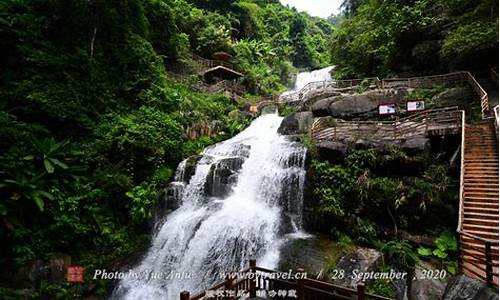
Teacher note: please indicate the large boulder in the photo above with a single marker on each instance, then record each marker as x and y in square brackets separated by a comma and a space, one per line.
[352, 105]
[305, 253]
[462, 287]
[453, 96]
[332, 151]
[296, 123]
[222, 176]
[423, 288]
[363, 260]
[322, 107]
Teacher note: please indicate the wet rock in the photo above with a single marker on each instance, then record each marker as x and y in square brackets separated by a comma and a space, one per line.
[302, 253]
[269, 109]
[222, 176]
[186, 168]
[362, 260]
[462, 287]
[296, 123]
[426, 288]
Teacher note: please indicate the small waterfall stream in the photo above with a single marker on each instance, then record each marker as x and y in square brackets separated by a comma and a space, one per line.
[243, 199]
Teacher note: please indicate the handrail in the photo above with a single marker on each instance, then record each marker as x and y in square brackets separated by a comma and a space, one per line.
[320, 123]
[210, 63]
[263, 279]
[462, 175]
[496, 111]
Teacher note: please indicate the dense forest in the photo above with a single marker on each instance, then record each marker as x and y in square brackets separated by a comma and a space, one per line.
[92, 125]
[379, 38]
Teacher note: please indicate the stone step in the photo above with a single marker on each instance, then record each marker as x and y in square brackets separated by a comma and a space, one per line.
[482, 199]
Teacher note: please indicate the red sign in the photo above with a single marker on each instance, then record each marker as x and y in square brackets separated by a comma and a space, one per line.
[75, 274]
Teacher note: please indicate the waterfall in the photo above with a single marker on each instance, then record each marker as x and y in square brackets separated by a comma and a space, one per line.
[307, 77]
[243, 199]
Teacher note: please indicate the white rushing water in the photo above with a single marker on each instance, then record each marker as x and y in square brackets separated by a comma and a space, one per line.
[207, 235]
[307, 77]
[243, 200]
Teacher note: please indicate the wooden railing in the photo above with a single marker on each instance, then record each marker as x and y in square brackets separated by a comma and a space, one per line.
[210, 63]
[450, 118]
[482, 258]
[412, 82]
[462, 175]
[496, 111]
[264, 280]
[323, 85]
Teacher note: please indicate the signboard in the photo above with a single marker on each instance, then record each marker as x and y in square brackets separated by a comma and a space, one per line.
[415, 105]
[388, 109]
[75, 274]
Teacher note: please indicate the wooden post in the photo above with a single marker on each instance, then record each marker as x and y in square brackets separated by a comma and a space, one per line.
[185, 295]
[460, 270]
[361, 291]
[300, 286]
[489, 265]
[228, 288]
[253, 286]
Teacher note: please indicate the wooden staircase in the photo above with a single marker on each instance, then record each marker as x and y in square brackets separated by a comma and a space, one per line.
[479, 227]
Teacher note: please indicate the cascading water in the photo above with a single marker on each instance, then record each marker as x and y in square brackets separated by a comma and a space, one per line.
[243, 199]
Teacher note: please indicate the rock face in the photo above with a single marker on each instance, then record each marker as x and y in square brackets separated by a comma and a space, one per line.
[296, 123]
[464, 288]
[362, 260]
[332, 151]
[453, 96]
[222, 176]
[52, 270]
[426, 288]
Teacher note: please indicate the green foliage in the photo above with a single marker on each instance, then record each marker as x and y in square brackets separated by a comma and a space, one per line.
[383, 287]
[357, 194]
[446, 249]
[400, 254]
[379, 37]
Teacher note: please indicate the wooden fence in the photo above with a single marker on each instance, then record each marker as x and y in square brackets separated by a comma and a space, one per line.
[434, 121]
[210, 63]
[482, 258]
[262, 279]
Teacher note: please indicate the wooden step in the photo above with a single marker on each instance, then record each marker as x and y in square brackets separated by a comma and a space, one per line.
[486, 222]
[482, 199]
[478, 244]
[493, 210]
[481, 215]
[484, 235]
[482, 228]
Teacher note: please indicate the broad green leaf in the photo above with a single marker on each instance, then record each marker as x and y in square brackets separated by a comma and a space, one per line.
[48, 166]
[424, 251]
[59, 163]
[38, 202]
[439, 253]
